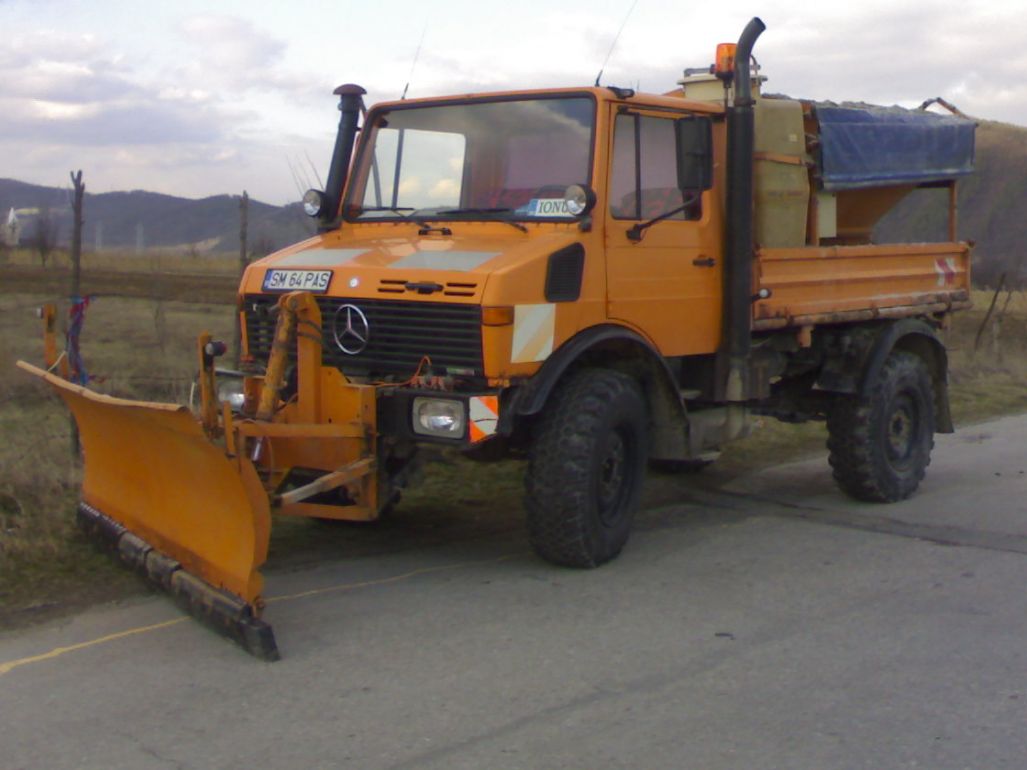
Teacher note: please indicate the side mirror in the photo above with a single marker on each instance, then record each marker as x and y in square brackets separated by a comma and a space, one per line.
[694, 139]
[579, 199]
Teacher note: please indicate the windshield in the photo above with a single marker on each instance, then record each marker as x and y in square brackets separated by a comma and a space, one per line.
[510, 159]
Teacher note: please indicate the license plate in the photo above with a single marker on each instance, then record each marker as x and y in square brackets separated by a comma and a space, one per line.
[297, 280]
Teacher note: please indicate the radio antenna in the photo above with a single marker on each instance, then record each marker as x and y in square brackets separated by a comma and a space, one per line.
[615, 39]
[417, 55]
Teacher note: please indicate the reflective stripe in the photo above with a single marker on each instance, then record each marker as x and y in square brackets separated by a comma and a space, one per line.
[445, 260]
[484, 417]
[945, 267]
[534, 328]
[319, 258]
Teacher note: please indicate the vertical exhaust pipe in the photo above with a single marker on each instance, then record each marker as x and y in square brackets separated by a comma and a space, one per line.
[350, 101]
[737, 341]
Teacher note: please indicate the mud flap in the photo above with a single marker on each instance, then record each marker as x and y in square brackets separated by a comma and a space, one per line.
[175, 507]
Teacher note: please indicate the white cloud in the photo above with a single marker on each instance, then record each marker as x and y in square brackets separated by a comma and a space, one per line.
[175, 98]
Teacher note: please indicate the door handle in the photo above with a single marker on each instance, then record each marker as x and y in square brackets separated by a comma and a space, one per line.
[704, 261]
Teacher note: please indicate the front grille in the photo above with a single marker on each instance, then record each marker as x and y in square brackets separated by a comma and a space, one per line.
[401, 333]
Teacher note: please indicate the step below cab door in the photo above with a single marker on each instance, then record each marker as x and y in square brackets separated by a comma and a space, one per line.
[664, 278]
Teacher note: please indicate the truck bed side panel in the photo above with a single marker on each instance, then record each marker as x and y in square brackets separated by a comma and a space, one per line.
[847, 283]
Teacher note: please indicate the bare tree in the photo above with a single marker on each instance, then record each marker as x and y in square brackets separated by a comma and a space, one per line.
[44, 234]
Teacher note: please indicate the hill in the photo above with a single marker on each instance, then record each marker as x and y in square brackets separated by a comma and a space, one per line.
[992, 212]
[124, 219]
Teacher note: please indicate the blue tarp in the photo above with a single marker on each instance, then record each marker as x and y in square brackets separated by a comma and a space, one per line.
[881, 146]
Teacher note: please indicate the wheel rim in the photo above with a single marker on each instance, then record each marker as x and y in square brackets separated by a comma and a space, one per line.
[902, 429]
[613, 478]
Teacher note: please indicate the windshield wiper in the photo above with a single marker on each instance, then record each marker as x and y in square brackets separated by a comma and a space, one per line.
[407, 214]
[480, 211]
[394, 209]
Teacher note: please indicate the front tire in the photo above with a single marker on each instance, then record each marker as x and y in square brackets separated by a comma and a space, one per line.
[880, 445]
[585, 469]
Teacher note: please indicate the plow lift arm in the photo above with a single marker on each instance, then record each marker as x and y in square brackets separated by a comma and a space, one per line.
[186, 501]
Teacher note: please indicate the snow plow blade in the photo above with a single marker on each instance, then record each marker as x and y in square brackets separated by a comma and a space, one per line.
[175, 507]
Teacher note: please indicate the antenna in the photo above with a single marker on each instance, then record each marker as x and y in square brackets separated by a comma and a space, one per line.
[295, 179]
[317, 176]
[615, 39]
[417, 55]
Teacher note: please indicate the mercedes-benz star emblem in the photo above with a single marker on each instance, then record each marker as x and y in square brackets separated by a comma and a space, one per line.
[352, 331]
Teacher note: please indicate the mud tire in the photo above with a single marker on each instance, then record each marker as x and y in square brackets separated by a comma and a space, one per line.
[585, 468]
[880, 445]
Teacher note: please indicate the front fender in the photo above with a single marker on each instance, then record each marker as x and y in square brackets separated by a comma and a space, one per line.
[615, 347]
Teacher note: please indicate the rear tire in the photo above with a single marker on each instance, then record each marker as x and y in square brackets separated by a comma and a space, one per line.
[880, 445]
[585, 469]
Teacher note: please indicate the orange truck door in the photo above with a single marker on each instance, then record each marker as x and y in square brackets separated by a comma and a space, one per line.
[667, 283]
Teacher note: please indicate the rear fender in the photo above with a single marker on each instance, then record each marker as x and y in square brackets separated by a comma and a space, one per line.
[914, 336]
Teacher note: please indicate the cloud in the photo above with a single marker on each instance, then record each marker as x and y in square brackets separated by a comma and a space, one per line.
[231, 43]
[237, 55]
[129, 122]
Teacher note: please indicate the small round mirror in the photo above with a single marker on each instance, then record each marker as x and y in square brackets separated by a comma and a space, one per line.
[579, 199]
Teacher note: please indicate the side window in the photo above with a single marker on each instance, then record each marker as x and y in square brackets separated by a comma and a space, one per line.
[643, 182]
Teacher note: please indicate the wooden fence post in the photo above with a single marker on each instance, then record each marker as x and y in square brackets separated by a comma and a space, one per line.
[76, 269]
[244, 208]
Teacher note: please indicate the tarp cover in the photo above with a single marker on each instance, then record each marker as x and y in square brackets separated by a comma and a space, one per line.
[883, 146]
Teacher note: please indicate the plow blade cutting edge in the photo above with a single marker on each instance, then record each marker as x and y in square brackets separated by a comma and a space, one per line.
[175, 507]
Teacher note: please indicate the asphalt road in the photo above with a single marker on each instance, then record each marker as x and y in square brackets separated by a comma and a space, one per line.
[767, 623]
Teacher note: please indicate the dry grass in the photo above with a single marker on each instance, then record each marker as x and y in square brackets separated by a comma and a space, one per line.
[183, 261]
[42, 559]
[43, 562]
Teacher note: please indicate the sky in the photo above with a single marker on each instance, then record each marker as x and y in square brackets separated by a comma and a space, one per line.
[175, 97]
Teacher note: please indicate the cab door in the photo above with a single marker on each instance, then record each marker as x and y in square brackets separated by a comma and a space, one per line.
[663, 278]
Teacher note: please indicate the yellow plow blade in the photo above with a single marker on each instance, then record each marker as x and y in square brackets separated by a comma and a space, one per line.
[175, 506]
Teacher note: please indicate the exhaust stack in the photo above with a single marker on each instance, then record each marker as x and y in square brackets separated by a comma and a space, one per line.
[350, 102]
[739, 248]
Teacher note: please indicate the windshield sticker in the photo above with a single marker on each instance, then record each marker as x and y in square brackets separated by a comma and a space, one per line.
[445, 260]
[319, 258]
[548, 207]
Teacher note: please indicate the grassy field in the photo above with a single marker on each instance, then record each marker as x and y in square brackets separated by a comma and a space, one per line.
[141, 347]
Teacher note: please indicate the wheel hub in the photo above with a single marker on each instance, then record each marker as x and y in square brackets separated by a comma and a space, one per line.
[611, 478]
[902, 429]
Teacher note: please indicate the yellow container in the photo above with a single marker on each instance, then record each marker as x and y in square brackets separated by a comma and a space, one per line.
[781, 178]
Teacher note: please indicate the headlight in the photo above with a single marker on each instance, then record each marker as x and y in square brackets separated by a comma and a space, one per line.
[230, 389]
[313, 203]
[441, 417]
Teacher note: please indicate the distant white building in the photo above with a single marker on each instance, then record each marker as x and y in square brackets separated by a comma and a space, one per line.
[10, 233]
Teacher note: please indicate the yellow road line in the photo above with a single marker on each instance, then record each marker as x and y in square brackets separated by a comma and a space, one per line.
[59, 651]
[386, 581]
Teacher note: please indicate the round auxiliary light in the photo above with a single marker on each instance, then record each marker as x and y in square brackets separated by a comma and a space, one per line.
[313, 203]
[579, 199]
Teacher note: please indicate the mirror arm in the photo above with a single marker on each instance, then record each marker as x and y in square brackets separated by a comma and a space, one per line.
[636, 232]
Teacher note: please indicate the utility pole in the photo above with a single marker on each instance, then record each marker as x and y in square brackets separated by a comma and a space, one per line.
[244, 212]
[76, 268]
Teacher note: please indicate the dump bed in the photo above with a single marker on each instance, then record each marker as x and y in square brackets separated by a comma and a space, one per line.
[833, 284]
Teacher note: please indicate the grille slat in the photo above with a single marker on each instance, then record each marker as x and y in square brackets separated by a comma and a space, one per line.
[401, 334]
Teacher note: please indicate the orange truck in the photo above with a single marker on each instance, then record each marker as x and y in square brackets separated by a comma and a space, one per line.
[591, 278]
